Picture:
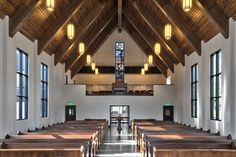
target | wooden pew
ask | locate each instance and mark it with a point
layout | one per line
(193, 153)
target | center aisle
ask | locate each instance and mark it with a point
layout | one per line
(119, 146)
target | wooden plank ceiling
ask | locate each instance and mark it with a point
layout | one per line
(95, 20)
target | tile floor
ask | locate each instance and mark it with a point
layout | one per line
(116, 145)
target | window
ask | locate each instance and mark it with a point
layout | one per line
(44, 90)
(194, 86)
(215, 85)
(22, 85)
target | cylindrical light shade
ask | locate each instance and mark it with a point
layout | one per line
(187, 5)
(96, 71)
(142, 71)
(150, 59)
(93, 66)
(146, 67)
(81, 48)
(70, 31)
(157, 48)
(88, 59)
(50, 5)
(168, 31)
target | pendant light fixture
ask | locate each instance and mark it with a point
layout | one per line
(93, 66)
(150, 59)
(81, 48)
(50, 5)
(145, 67)
(142, 71)
(157, 48)
(96, 71)
(168, 31)
(70, 31)
(88, 59)
(187, 5)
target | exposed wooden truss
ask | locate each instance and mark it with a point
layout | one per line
(95, 20)
(89, 38)
(21, 15)
(148, 39)
(95, 44)
(216, 15)
(120, 3)
(63, 19)
(153, 24)
(169, 11)
(144, 46)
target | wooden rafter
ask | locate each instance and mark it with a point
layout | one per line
(60, 22)
(89, 37)
(120, 15)
(22, 14)
(144, 46)
(95, 45)
(169, 11)
(145, 36)
(87, 21)
(216, 15)
(155, 26)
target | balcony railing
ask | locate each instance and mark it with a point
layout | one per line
(132, 89)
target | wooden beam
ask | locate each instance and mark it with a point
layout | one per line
(21, 15)
(216, 15)
(61, 21)
(83, 27)
(2, 15)
(95, 45)
(169, 11)
(89, 37)
(145, 36)
(158, 30)
(120, 15)
(144, 46)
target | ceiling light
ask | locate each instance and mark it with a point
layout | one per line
(187, 5)
(157, 48)
(142, 71)
(150, 59)
(81, 48)
(168, 31)
(93, 65)
(96, 71)
(146, 67)
(50, 5)
(70, 31)
(88, 59)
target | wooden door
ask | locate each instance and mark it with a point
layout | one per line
(70, 113)
(168, 113)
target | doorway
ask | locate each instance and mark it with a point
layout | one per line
(122, 110)
(168, 113)
(70, 112)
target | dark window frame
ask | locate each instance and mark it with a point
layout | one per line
(194, 97)
(44, 96)
(215, 76)
(21, 96)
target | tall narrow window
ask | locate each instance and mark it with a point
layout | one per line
(194, 87)
(215, 85)
(44, 90)
(21, 85)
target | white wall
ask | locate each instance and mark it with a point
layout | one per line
(182, 76)
(140, 106)
(129, 78)
(105, 55)
(8, 122)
